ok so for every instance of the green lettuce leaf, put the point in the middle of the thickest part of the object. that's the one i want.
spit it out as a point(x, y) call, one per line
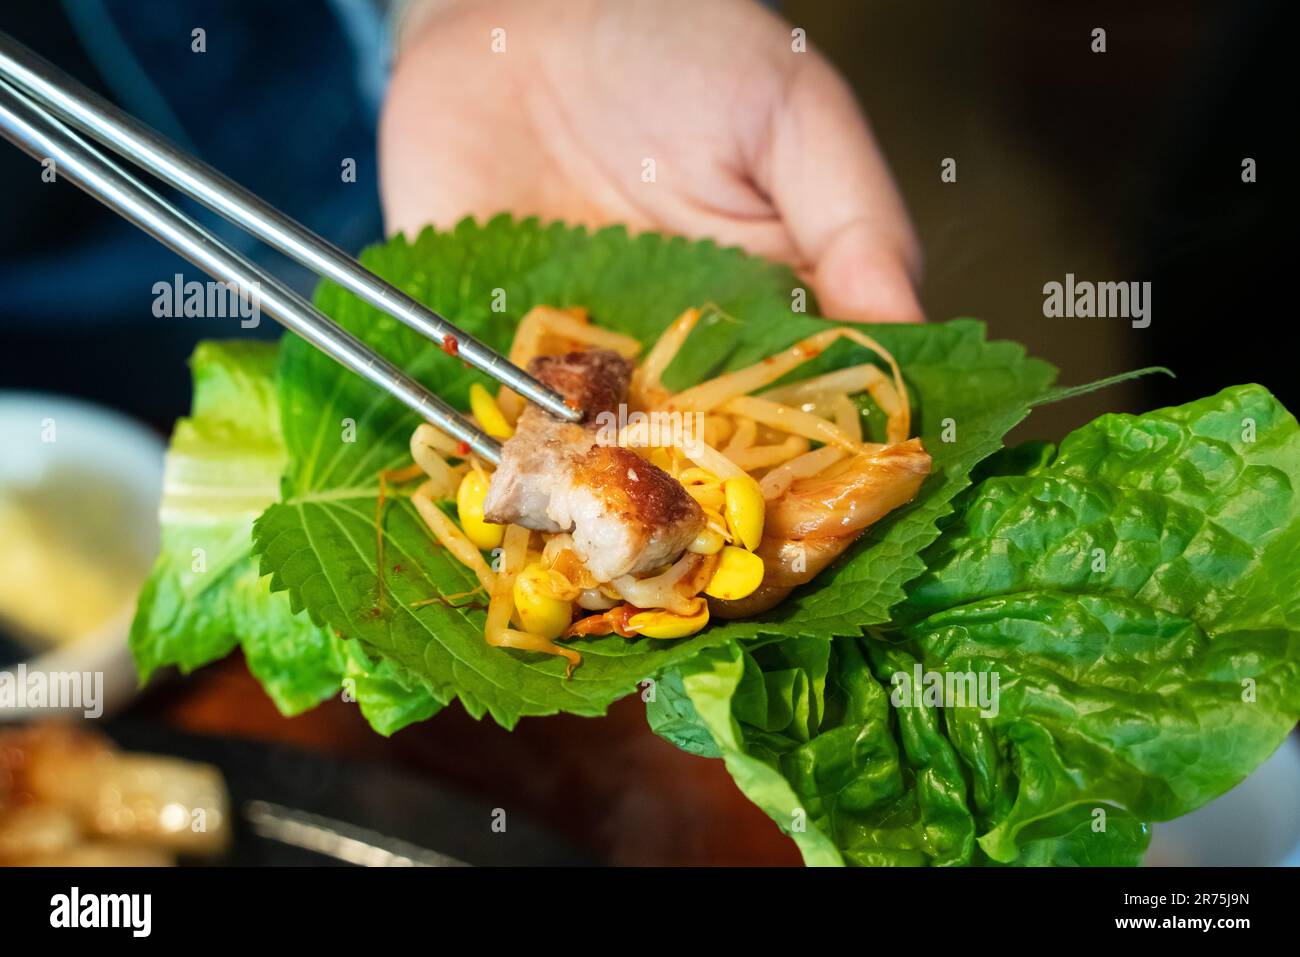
point(808, 734)
point(222, 469)
point(1134, 593)
point(204, 596)
point(388, 699)
point(318, 541)
point(1137, 596)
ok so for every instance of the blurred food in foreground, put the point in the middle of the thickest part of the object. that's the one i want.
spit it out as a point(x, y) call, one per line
point(64, 568)
point(79, 490)
point(68, 797)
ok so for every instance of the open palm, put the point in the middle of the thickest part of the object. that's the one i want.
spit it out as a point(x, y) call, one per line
point(704, 119)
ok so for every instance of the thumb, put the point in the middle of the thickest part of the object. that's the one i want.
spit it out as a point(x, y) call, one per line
point(863, 276)
point(831, 187)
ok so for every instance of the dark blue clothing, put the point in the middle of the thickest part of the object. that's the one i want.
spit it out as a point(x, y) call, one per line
point(284, 93)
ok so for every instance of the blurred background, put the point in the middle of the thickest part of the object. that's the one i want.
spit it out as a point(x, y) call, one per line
point(1122, 165)
point(1117, 166)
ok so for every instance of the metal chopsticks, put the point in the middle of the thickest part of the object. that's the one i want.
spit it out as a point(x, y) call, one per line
point(30, 86)
point(41, 136)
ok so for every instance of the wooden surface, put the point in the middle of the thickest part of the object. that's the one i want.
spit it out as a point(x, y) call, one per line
point(608, 785)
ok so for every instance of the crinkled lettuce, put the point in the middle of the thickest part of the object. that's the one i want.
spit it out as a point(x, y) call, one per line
point(1135, 593)
point(205, 596)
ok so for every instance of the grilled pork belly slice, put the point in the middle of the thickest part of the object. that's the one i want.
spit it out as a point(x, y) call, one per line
point(537, 454)
point(627, 517)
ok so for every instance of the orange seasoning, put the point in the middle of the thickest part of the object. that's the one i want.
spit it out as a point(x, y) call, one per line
point(615, 620)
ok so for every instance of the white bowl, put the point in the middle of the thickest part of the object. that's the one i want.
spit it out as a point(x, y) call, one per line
point(1256, 824)
point(111, 448)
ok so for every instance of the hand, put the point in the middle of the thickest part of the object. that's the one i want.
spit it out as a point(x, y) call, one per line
point(752, 144)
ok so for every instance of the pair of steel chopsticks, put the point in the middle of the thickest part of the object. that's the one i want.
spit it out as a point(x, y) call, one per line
point(37, 100)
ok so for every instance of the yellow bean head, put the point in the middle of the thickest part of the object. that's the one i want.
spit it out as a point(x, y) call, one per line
point(707, 496)
point(662, 458)
point(738, 573)
point(746, 510)
point(698, 476)
point(488, 413)
point(664, 624)
point(708, 542)
point(469, 509)
point(540, 612)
